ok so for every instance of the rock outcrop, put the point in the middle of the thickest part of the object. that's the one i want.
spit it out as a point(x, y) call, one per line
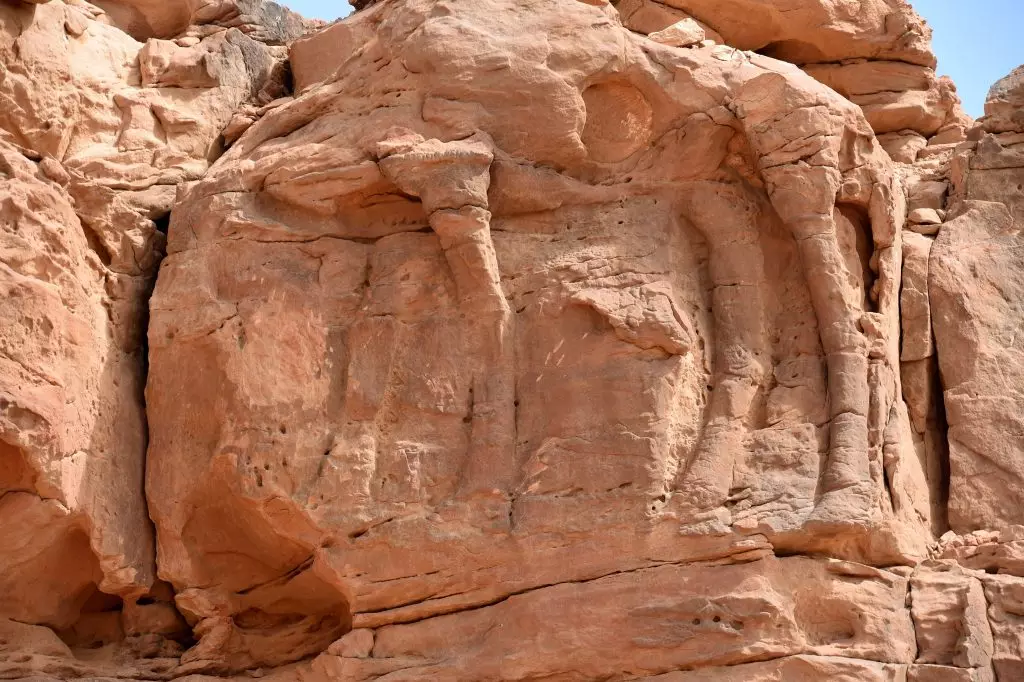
point(875, 53)
point(976, 284)
point(97, 131)
point(563, 340)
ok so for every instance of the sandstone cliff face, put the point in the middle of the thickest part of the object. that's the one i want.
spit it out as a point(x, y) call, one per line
point(505, 341)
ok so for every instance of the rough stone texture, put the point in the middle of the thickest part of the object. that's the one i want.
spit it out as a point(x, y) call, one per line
point(976, 288)
point(876, 53)
point(524, 341)
point(262, 20)
point(72, 515)
point(949, 610)
point(96, 132)
point(1005, 104)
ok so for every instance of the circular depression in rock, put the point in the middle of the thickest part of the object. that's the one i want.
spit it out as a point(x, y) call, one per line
point(618, 121)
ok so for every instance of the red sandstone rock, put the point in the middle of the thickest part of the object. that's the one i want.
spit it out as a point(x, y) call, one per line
point(515, 343)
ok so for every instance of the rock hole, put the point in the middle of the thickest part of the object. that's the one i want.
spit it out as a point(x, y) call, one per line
point(162, 223)
point(99, 623)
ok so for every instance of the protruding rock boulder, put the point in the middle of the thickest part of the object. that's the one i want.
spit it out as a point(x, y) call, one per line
point(976, 282)
point(526, 334)
point(97, 131)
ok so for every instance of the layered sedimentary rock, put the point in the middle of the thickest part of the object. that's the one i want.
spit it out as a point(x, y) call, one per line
point(975, 289)
point(875, 53)
point(547, 340)
point(260, 19)
point(96, 133)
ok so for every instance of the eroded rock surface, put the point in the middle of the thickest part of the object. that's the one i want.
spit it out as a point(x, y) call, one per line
point(97, 131)
point(975, 286)
point(505, 341)
point(876, 53)
point(716, 263)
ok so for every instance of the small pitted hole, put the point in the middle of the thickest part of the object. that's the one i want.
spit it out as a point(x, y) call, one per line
point(717, 619)
point(736, 625)
point(696, 621)
point(283, 429)
point(266, 467)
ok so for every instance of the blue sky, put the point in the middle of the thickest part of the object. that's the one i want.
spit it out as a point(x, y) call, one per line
point(319, 9)
point(977, 41)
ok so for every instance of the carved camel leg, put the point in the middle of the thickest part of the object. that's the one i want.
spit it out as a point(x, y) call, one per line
point(802, 147)
point(452, 180)
point(727, 221)
point(805, 197)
